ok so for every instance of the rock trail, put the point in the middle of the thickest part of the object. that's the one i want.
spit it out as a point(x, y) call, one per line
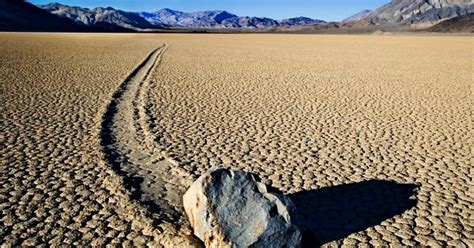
point(152, 177)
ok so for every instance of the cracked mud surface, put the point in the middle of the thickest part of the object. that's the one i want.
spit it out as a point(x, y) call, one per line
point(347, 126)
point(56, 185)
point(313, 112)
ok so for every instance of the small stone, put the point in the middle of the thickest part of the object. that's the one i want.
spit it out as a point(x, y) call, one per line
point(231, 209)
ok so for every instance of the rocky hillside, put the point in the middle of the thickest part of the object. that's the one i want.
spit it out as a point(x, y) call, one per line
point(419, 11)
point(463, 23)
point(358, 16)
point(99, 16)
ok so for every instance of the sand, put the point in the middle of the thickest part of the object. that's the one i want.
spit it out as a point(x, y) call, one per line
point(370, 136)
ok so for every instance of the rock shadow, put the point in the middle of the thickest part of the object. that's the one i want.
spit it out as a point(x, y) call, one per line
point(333, 213)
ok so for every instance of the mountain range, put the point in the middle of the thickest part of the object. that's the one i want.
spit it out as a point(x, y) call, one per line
point(21, 15)
point(166, 18)
point(218, 19)
point(205, 19)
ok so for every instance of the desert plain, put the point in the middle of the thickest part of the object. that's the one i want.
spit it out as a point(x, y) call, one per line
point(370, 136)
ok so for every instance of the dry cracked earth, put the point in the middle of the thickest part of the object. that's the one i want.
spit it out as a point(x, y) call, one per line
point(101, 134)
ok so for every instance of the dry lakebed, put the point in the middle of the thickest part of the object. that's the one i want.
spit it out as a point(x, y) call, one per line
point(101, 134)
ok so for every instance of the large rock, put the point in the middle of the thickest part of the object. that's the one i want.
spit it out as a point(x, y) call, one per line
point(231, 209)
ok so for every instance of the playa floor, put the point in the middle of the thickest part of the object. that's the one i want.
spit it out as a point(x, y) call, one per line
point(370, 136)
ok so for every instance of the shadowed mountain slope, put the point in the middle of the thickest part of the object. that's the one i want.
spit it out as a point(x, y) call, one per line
point(18, 15)
point(458, 24)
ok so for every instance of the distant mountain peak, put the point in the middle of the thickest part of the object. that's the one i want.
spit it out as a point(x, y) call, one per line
point(168, 10)
point(301, 20)
point(106, 8)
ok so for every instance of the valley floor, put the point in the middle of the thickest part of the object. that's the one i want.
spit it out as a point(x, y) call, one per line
point(103, 133)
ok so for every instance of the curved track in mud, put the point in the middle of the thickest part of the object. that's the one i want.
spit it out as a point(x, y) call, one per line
point(152, 177)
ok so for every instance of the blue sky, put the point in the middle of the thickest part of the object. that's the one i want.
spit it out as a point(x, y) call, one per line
point(329, 10)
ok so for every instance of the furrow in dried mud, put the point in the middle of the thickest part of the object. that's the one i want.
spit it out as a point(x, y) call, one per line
point(151, 176)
